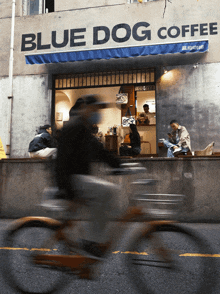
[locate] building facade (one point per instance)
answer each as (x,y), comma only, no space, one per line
(160,53)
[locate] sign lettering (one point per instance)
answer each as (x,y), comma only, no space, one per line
(120,33)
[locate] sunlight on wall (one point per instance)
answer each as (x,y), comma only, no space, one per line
(171,77)
(110,116)
(62,107)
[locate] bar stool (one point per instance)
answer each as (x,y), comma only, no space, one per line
(146,142)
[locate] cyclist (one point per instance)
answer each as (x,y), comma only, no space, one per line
(77,147)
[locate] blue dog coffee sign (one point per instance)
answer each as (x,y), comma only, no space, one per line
(122,40)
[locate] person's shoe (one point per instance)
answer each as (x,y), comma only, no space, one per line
(177,150)
(161,140)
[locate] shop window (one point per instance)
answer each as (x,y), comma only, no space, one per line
(49,6)
(32,7)
(145,98)
(146,118)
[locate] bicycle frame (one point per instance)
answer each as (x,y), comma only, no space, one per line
(79,264)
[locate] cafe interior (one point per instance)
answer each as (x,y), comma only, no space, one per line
(111,132)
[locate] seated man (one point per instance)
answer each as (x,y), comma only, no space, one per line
(43,144)
(179,140)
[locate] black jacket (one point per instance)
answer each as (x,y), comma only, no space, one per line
(135,140)
(77,147)
(42,140)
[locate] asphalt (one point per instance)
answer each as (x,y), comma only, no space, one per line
(113,276)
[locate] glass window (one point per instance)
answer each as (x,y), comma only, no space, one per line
(49,6)
(33,7)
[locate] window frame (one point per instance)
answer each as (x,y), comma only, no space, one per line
(26,7)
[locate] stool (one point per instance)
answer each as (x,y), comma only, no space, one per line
(142,142)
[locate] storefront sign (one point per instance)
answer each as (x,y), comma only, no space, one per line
(122,40)
(119,34)
(201,46)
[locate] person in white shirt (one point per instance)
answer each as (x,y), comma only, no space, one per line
(144,117)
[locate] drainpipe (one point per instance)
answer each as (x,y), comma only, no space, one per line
(10,96)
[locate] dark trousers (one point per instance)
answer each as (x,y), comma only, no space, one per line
(125,151)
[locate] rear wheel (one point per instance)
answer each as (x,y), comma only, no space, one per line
(21,244)
(182,267)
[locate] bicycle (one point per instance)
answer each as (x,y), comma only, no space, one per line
(151,252)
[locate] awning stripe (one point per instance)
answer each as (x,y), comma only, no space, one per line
(185,47)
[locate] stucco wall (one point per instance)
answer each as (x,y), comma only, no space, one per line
(4,84)
(5,8)
(191,95)
(69,4)
(31,109)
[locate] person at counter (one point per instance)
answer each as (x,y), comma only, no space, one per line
(179,140)
(144,117)
(134,147)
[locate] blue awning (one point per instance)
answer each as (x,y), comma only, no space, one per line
(122,52)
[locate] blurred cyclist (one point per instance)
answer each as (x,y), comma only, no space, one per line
(77,147)
(76,107)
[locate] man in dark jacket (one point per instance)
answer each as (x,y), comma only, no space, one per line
(42,145)
(77,147)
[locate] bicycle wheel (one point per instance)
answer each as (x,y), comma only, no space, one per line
(152,270)
(20,271)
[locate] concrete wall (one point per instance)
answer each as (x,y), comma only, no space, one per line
(191,95)
(4,84)
(5,8)
(22,183)
(69,4)
(31,109)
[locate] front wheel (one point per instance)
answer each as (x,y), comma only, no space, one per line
(20,271)
(170,259)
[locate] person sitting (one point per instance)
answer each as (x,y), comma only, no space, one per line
(43,144)
(179,140)
(134,147)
